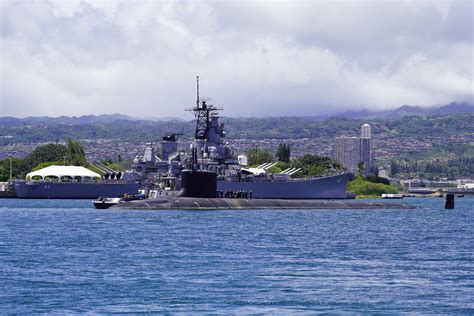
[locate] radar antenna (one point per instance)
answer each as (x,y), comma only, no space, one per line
(197,91)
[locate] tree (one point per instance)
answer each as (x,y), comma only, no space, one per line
(283,152)
(312,165)
(18,169)
(259,156)
(76,155)
(45,153)
(360,168)
(43,156)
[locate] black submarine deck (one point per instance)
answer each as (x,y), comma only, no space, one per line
(189,203)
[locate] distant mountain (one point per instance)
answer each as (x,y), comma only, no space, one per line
(162,119)
(448,109)
(455,108)
(67,120)
(84,119)
(105,118)
(134,131)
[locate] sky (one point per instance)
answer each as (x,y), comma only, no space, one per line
(254,58)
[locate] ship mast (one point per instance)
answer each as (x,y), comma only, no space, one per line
(202,112)
(197,91)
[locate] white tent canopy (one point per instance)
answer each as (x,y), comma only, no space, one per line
(61,172)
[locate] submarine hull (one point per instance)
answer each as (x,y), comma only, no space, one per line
(188,203)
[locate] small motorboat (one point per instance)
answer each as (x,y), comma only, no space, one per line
(103,202)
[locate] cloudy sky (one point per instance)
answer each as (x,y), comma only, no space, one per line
(254,58)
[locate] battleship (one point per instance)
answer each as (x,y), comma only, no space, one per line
(234,174)
(209,152)
(57,185)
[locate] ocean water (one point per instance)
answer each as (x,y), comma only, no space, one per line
(63,256)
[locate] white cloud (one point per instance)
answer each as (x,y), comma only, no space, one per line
(255,58)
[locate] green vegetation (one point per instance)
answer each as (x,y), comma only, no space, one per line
(363,187)
(283,152)
(75,154)
(312,165)
(360,168)
(301,127)
(43,156)
(45,153)
(34,131)
(451,161)
(259,156)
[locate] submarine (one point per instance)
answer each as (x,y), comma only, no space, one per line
(199,192)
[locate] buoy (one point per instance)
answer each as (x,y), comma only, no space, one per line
(449,204)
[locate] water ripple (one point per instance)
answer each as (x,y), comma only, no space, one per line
(65,257)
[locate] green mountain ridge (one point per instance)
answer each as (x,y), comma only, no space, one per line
(238,128)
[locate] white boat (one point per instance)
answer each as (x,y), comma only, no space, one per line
(392,196)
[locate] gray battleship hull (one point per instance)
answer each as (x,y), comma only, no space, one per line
(65,190)
(330,187)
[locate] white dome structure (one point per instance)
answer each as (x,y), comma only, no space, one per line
(63,173)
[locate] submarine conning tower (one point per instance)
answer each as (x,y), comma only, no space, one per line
(198,184)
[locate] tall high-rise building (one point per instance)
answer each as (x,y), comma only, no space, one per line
(365,154)
(350,151)
(366,148)
(347,152)
(365,131)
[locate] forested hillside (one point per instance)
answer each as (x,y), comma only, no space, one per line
(31,130)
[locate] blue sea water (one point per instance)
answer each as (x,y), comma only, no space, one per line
(63,256)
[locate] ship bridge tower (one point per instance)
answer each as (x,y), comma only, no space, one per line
(208,132)
(203,113)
